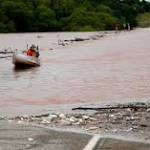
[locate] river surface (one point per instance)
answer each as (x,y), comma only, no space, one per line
(113,68)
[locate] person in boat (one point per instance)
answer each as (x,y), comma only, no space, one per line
(33,51)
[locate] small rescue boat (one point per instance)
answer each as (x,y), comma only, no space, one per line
(22,59)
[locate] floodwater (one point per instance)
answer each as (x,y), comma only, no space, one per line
(114,68)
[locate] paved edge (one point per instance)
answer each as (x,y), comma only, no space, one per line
(96,138)
(92,143)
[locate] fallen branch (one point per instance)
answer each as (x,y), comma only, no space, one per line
(134,107)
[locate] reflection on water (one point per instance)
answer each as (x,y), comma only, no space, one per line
(22,68)
(112,68)
(19,71)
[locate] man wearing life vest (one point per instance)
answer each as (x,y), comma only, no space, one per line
(33,51)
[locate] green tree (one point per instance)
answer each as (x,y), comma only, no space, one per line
(143,20)
(45,19)
(70,15)
(19,13)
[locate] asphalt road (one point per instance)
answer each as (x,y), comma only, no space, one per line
(19,136)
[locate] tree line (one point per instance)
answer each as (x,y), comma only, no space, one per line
(69,15)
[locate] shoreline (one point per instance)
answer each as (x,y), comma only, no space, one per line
(131,120)
(28,110)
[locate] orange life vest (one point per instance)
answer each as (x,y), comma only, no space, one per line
(30,52)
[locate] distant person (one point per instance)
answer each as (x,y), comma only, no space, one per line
(116,28)
(124,26)
(128,25)
(33,51)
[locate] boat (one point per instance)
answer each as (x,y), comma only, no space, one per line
(21,59)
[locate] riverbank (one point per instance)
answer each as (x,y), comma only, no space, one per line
(26,136)
(126,120)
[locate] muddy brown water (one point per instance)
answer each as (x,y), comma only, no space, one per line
(115,68)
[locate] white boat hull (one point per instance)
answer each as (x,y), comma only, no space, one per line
(20,59)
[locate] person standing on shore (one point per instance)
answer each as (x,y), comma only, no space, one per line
(128,25)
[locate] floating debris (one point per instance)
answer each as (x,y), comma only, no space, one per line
(123,118)
(30,139)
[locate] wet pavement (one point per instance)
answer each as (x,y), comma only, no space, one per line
(116,144)
(21,137)
(18,136)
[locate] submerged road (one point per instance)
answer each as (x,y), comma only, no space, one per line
(114,68)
